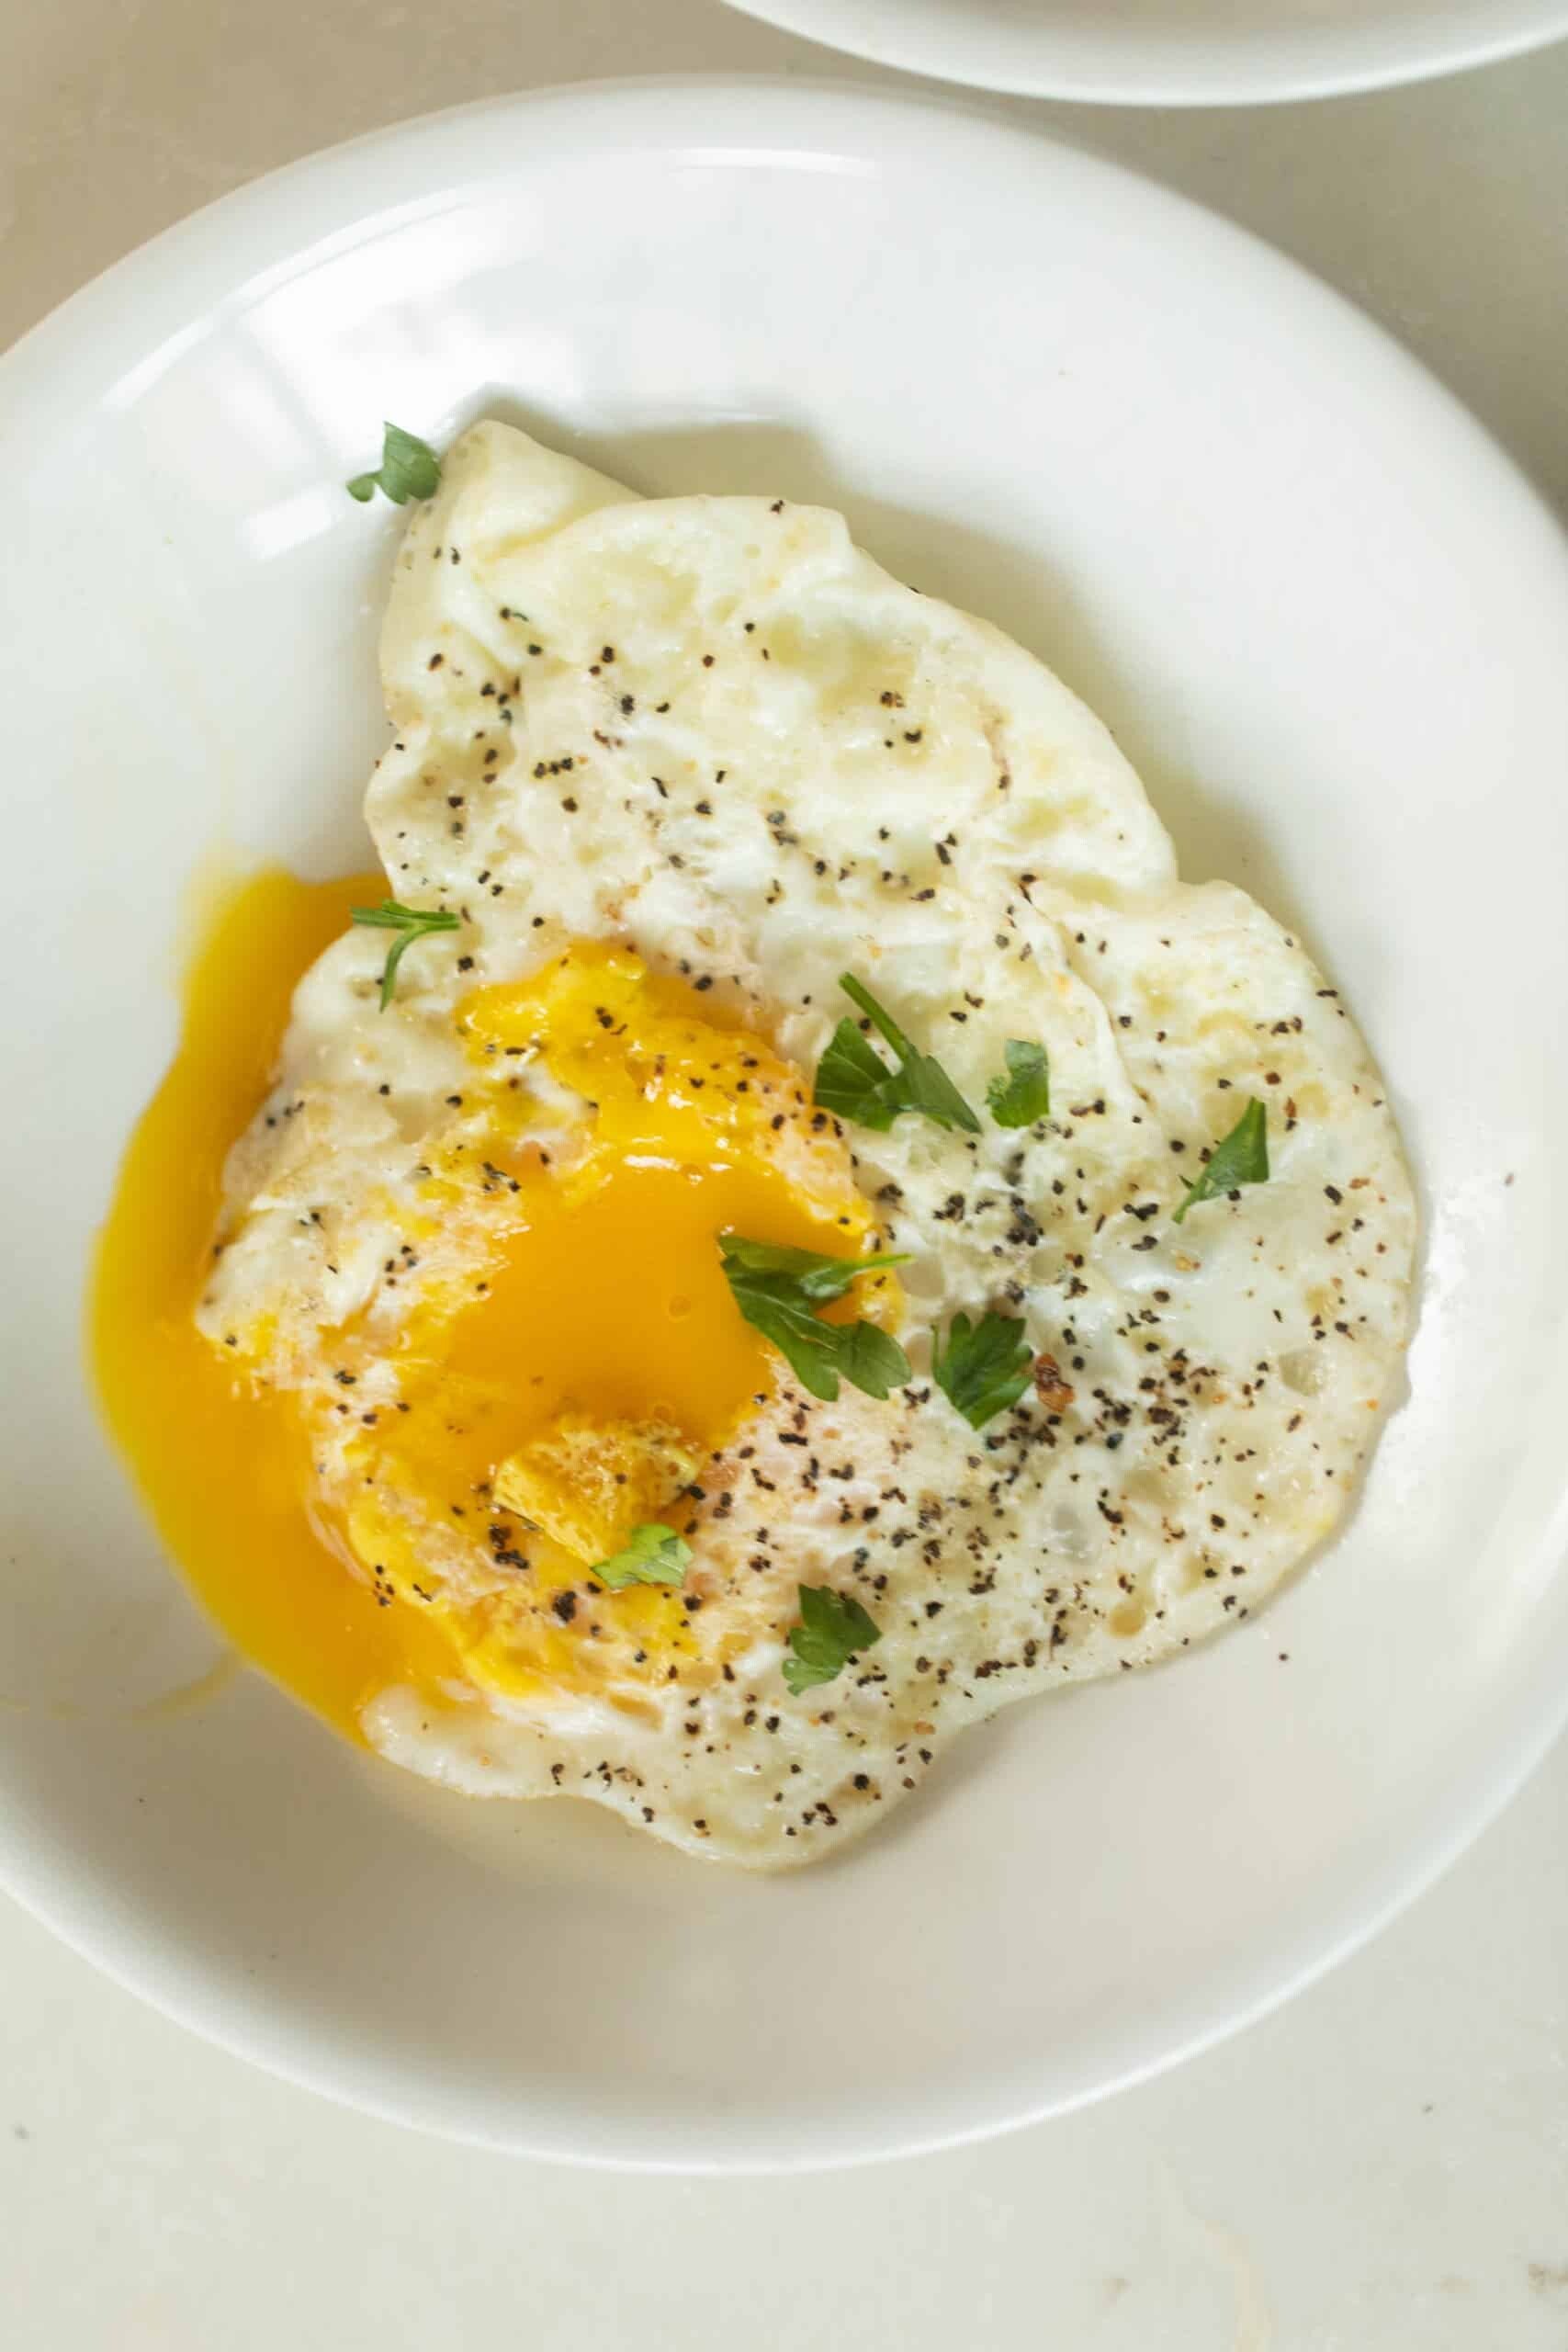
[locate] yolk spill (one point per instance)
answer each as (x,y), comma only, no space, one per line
(222,1464)
(599,1294)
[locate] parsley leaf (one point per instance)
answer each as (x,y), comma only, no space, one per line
(1024,1094)
(833,1627)
(1240,1158)
(778,1290)
(413,922)
(984,1367)
(410,469)
(654,1553)
(869,1360)
(818,1277)
(855,1083)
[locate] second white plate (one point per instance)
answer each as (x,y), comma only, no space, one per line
(1173,53)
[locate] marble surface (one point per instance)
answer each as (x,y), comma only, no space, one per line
(1382,2164)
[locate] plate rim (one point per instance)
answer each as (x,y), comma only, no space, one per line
(1243,84)
(128,1952)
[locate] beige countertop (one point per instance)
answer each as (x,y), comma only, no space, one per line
(1383,2164)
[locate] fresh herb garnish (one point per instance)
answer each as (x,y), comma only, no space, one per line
(1024,1094)
(410,469)
(654,1553)
(778,1290)
(855,1083)
(833,1627)
(413,922)
(1240,1158)
(984,1367)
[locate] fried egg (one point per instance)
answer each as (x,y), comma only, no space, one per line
(450,1321)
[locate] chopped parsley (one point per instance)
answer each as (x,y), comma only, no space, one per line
(1024,1094)
(855,1083)
(654,1553)
(412,922)
(1240,1158)
(984,1367)
(779,1290)
(409,469)
(833,1627)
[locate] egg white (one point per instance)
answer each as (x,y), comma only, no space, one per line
(714,730)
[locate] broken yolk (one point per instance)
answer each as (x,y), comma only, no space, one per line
(593,1300)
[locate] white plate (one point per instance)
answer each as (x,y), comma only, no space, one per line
(1328,621)
(1173,53)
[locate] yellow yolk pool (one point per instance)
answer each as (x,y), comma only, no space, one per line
(222,1464)
(595,1299)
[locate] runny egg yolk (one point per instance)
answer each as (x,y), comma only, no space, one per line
(593,1300)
